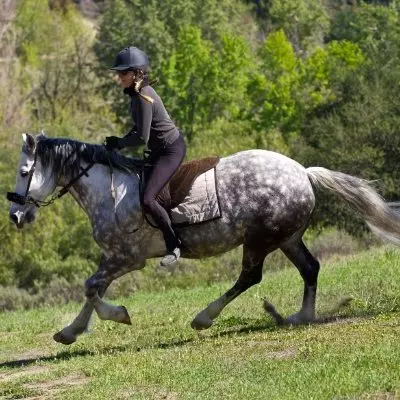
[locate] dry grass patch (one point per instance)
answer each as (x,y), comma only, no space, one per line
(263,349)
(35,370)
(381,396)
(287,353)
(53,386)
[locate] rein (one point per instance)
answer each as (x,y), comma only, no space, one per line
(26,199)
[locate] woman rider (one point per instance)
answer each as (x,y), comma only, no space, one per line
(154,127)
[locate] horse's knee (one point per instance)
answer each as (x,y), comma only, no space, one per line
(91,287)
(251,278)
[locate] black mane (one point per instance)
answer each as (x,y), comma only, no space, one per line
(65,155)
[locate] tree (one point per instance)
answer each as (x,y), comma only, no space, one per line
(375,28)
(357,135)
(274,85)
(56,55)
(205,81)
(305,22)
(156,27)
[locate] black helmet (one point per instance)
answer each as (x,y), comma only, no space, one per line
(131,58)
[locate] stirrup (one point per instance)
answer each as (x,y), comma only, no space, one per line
(171,257)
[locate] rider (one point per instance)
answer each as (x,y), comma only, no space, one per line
(154,127)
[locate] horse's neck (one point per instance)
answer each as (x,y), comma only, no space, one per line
(94,192)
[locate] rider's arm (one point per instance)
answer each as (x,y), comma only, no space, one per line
(144,118)
(141,132)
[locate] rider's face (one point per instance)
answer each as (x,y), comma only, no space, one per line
(126,78)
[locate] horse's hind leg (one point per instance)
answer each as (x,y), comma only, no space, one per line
(251,274)
(308,267)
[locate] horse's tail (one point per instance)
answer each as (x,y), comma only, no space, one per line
(362,197)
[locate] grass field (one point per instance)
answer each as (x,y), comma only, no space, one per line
(243,356)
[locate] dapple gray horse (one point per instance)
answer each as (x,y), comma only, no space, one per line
(266,200)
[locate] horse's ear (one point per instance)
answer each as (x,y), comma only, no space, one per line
(42,134)
(29,142)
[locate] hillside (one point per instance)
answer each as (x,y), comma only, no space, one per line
(244,355)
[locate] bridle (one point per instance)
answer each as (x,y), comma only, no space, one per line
(27,199)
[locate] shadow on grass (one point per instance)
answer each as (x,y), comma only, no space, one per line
(248,325)
(64,355)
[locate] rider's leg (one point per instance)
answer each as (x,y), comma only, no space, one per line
(165,166)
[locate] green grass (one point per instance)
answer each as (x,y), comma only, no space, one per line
(243,356)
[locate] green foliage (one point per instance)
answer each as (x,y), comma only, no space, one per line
(205,82)
(155,25)
(305,22)
(288,87)
(273,87)
(162,29)
(374,27)
(58,60)
(358,135)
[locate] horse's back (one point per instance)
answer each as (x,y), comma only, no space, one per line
(256,169)
(262,157)
(263,185)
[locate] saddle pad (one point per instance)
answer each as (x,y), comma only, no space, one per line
(200,204)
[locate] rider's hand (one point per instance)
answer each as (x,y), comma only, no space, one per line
(112,142)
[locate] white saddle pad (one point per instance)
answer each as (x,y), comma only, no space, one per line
(201,204)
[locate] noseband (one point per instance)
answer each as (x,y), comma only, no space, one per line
(26,199)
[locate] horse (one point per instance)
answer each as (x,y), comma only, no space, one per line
(266,201)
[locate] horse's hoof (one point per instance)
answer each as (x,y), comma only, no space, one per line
(270,309)
(124,317)
(64,338)
(202,321)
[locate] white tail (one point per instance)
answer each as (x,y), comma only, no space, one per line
(362,197)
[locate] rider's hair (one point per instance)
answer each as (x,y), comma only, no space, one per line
(140,78)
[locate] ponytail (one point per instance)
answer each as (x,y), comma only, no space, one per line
(137,86)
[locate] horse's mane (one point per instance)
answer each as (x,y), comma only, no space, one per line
(65,155)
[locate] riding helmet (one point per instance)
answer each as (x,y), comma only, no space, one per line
(131,58)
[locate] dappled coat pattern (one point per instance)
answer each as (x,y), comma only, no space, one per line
(266,201)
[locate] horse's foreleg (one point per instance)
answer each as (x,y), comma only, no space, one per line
(250,275)
(103,309)
(308,267)
(95,288)
(108,271)
(79,325)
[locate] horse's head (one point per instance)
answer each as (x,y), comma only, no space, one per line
(33,182)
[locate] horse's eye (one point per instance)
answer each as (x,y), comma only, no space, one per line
(24,173)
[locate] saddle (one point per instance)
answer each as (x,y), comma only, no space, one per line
(179,185)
